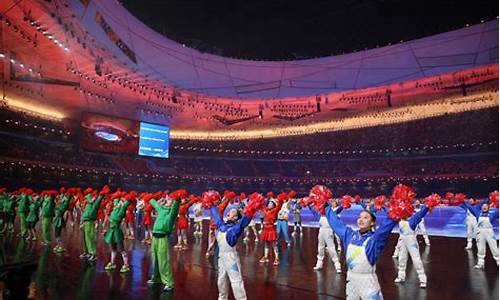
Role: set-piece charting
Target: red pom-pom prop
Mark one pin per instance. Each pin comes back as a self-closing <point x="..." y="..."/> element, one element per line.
<point x="400" y="205"/>
<point x="379" y="202"/>
<point x="432" y="201"/>
<point x="494" y="198"/>
<point x="459" y="198"/>
<point x="283" y="197"/>
<point x="230" y="195"/>
<point x="318" y="196"/>
<point x="346" y="201"/>
<point x="130" y="196"/>
<point x="210" y="198"/>
<point x="179" y="194"/>
<point x="357" y="199"/>
<point x="257" y="202"/>
<point x="270" y="195"/>
<point x="243" y="196"/>
<point x="292" y="194"/>
<point x="105" y="190"/>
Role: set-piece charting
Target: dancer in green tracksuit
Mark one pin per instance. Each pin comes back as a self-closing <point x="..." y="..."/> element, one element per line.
<point x="9" y="208"/>
<point x="59" y="223"/>
<point x="48" y="213"/>
<point x="32" y="218"/>
<point x="89" y="216"/>
<point x="114" y="234"/>
<point x="167" y="211"/>
<point x="23" y="202"/>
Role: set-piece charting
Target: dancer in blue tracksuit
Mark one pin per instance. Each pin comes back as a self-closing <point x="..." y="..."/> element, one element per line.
<point x="485" y="234"/>
<point x="227" y="236"/>
<point x="362" y="249"/>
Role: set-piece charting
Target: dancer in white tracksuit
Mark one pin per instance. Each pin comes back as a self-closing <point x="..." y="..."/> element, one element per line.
<point x="485" y="233"/>
<point x="421" y="226"/>
<point x="251" y="227"/>
<point x="325" y="239"/>
<point x="409" y="245"/>
<point x="362" y="248"/>
<point x="227" y="236"/>
<point x="198" y="219"/>
<point x="471" y="223"/>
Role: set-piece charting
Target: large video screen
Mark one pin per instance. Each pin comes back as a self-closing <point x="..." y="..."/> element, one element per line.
<point x="153" y="140"/>
<point x="109" y="134"/>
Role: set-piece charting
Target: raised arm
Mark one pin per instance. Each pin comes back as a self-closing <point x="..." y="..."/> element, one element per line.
<point x="379" y="240"/>
<point x="417" y="217"/>
<point x="217" y="217"/>
<point x="345" y="233"/>
<point x="473" y="210"/>
<point x="234" y="233"/>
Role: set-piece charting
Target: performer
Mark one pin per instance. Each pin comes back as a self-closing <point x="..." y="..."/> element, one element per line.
<point x="297" y="219"/>
<point x="9" y="208"/>
<point x="228" y="234"/>
<point x="62" y="204"/>
<point x="471" y="223"/>
<point x="363" y="248"/>
<point x="183" y="222"/>
<point x="325" y="239"/>
<point x="114" y="235"/>
<point x="198" y="219"/>
<point x="48" y="213"/>
<point x="421" y="226"/>
<point x="167" y="210"/>
<point x="409" y="244"/>
<point x="23" y="202"/>
<point x="147" y="221"/>
<point x="130" y="221"/>
<point x="485" y="233"/>
<point x="268" y="235"/>
<point x="221" y="207"/>
<point x="282" y="223"/>
<point x="87" y="223"/>
<point x="32" y="218"/>
<point x="252" y="225"/>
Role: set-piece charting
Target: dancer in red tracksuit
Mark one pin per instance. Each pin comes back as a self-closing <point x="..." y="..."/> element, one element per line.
<point x="183" y="222"/>
<point x="268" y="235"/>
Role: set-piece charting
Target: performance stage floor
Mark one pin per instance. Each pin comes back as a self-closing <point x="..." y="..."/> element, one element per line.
<point x="447" y="265"/>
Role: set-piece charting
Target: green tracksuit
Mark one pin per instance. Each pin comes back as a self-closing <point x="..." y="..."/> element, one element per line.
<point x="59" y="217"/>
<point x="22" y="211"/>
<point x="114" y="233"/>
<point x="160" y="254"/>
<point x="48" y="213"/>
<point x="89" y="216"/>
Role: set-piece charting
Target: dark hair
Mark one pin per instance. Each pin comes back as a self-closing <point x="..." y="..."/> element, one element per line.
<point x="374" y="217"/>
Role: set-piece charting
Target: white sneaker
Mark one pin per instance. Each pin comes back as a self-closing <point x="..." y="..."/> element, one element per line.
<point x="394" y="256"/>
<point x="468" y="247"/>
<point x="399" y="280"/>
<point x="317" y="268"/>
<point x="423" y="285"/>
<point x="478" y="266"/>
<point x="245" y="239"/>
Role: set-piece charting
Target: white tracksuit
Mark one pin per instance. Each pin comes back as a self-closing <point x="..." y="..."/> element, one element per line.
<point x="485" y="235"/>
<point x="325" y="238"/>
<point x="229" y="267"/>
<point x="471" y="223"/>
<point x="362" y="281"/>
<point x="409" y="245"/>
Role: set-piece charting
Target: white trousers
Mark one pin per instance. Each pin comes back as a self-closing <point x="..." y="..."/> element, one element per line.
<point x="325" y="240"/>
<point x="484" y="236"/>
<point x="471" y="230"/>
<point x="230" y="272"/>
<point x="363" y="286"/>
<point x="409" y="245"/>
